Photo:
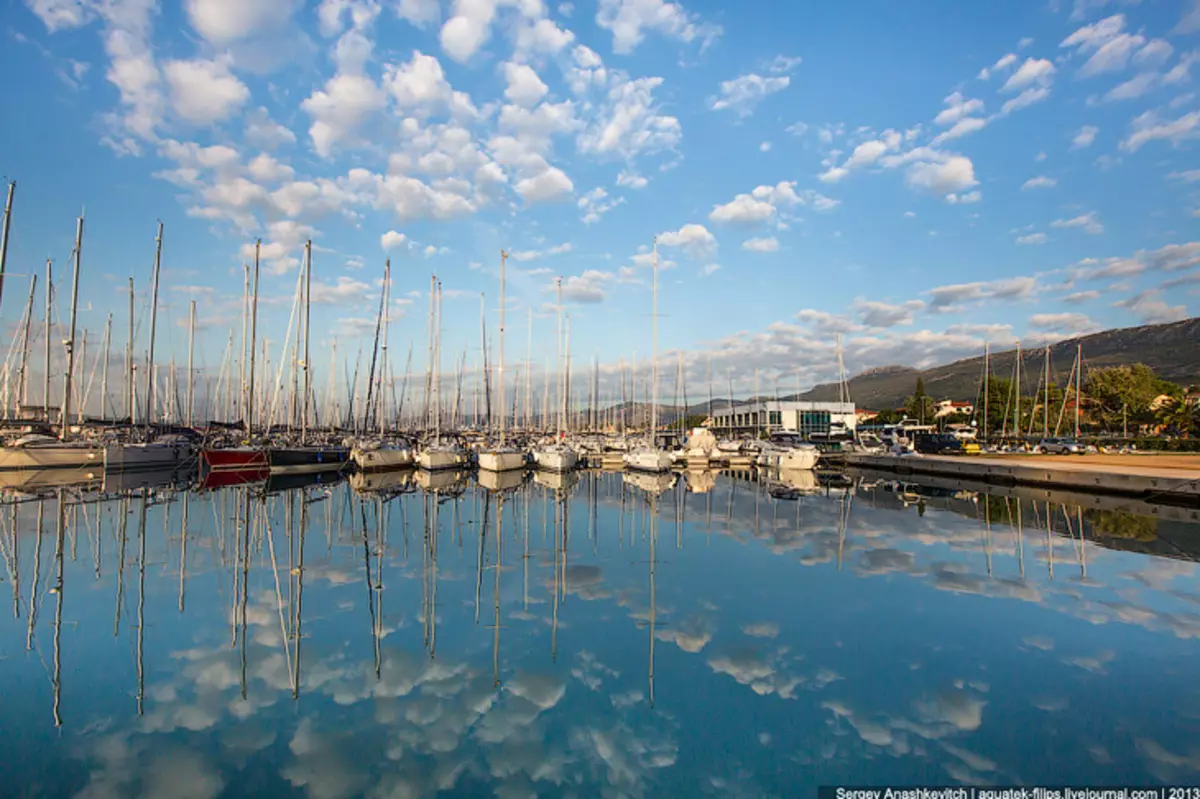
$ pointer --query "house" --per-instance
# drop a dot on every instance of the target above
(862, 415)
(947, 407)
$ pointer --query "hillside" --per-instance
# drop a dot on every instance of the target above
(1171, 350)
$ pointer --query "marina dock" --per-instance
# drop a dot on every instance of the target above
(1164, 479)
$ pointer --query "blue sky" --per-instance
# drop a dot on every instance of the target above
(919, 178)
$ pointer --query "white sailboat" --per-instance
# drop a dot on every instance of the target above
(437, 453)
(40, 451)
(501, 458)
(648, 457)
(382, 453)
(558, 455)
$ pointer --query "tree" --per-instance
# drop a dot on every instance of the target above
(920, 405)
(1115, 393)
(1178, 416)
(888, 416)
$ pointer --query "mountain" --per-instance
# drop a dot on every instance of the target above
(1172, 350)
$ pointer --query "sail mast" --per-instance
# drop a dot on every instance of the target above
(654, 352)
(562, 396)
(49, 308)
(383, 366)
(24, 382)
(249, 409)
(500, 369)
(70, 341)
(104, 370)
(1078, 383)
(191, 388)
(307, 331)
(8, 204)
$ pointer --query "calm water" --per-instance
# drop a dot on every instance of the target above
(592, 638)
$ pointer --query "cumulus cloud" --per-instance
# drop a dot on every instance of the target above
(1032, 238)
(769, 244)
(391, 240)
(1034, 72)
(954, 174)
(1039, 182)
(1149, 127)
(693, 239)
(627, 19)
(743, 93)
(1088, 222)
(1150, 309)
(1085, 137)
(1063, 322)
(881, 314)
(945, 297)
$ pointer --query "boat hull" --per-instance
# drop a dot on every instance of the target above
(307, 460)
(649, 460)
(556, 460)
(234, 459)
(434, 460)
(799, 459)
(381, 458)
(501, 479)
(225, 478)
(50, 457)
(122, 457)
(501, 461)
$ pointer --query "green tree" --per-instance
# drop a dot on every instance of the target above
(888, 416)
(1178, 416)
(919, 406)
(1115, 393)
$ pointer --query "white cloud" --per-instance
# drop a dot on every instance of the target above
(525, 88)
(763, 202)
(1032, 238)
(949, 297)
(1079, 297)
(744, 92)
(627, 19)
(340, 109)
(1133, 88)
(628, 122)
(204, 92)
(962, 127)
(882, 314)
(420, 86)
(708, 269)
(833, 174)
(764, 147)
(958, 106)
(1148, 127)
(1190, 21)
(1112, 56)
(966, 198)
(1089, 222)
(549, 185)
(1035, 71)
(391, 240)
(225, 21)
(533, 255)
(1004, 62)
(631, 180)
(1072, 322)
(266, 169)
(468, 29)
(1085, 137)
(1093, 36)
(1186, 176)
(262, 131)
(590, 287)
(1151, 310)
(694, 239)
(744, 209)
(769, 244)
(955, 173)
(1039, 182)
(596, 203)
(1025, 99)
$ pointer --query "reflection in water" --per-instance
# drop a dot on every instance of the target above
(812, 633)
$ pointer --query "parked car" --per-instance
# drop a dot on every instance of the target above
(1060, 446)
(938, 444)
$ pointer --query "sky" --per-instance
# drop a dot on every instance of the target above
(920, 179)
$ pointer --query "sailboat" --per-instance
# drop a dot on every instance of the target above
(648, 457)
(307, 458)
(558, 456)
(247, 458)
(437, 452)
(501, 458)
(382, 453)
(164, 452)
(42, 451)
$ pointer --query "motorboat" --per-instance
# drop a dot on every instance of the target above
(787, 451)
(648, 459)
(307, 460)
(165, 452)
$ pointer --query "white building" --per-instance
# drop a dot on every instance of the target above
(790, 415)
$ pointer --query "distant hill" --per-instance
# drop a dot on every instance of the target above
(1171, 350)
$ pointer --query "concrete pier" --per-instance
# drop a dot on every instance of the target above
(1140, 479)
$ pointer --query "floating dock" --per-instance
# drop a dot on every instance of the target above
(1161, 479)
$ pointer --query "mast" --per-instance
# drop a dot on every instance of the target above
(242, 359)
(1046, 397)
(70, 341)
(500, 370)
(1017, 414)
(153, 325)
(307, 320)
(8, 204)
(1079, 380)
(562, 389)
(385, 312)
(437, 353)
(483, 364)
(24, 382)
(191, 390)
(654, 352)
(104, 370)
(529, 375)
(46, 374)
(429, 355)
(129, 381)
(249, 409)
(987, 371)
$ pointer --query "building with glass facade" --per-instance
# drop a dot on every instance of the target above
(785, 415)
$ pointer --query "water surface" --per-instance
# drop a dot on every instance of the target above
(599, 635)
